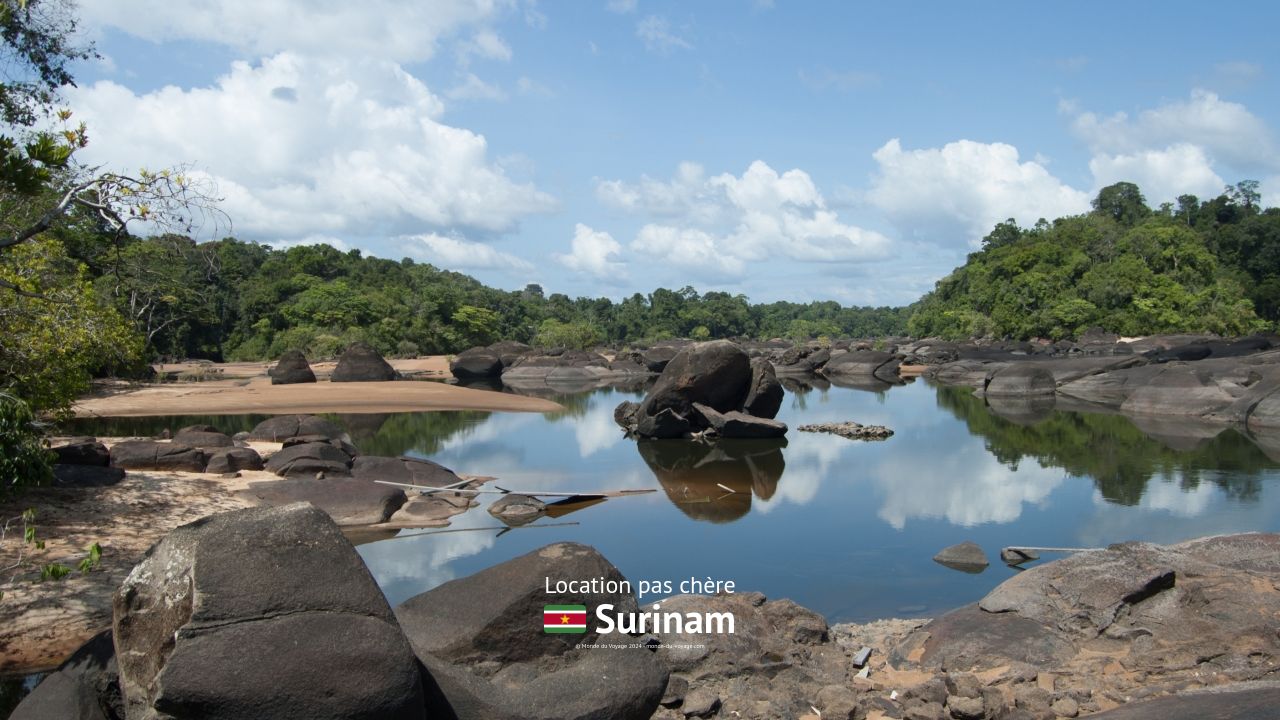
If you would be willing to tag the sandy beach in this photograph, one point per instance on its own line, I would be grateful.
(244, 388)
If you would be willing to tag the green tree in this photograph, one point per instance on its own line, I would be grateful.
(1122, 202)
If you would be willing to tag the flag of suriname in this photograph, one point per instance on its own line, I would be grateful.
(564, 618)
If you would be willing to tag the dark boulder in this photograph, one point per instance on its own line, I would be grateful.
(82, 451)
(508, 351)
(152, 455)
(666, 425)
(292, 369)
(737, 425)
(1184, 353)
(625, 414)
(229, 460)
(864, 362)
(341, 444)
(85, 687)
(283, 427)
(361, 363)
(478, 362)
(965, 557)
(1180, 390)
(656, 358)
(345, 500)
(488, 660)
(81, 476)
(266, 613)
(716, 374)
(764, 399)
(309, 458)
(1021, 380)
(410, 471)
(198, 436)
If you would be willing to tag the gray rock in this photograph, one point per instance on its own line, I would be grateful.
(966, 708)
(411, 471)
(972, 639)
(345, 500)
(85, 687)
(764, 399)
(152, 455)
(361, 363)
(737, 425)
(283, 427)
(864, 362)
(1248, 701)
(1182, 391)
(85, 476)
(202, 439)
(716, 374)
(307, 459)
(1021, 380)
(677, 688)
(201, 622)
(666, 424)
(291, 369)
(966, 557)
(488, 660)
(656, 358)
(700, 703)
(517, 509)
(625, 415)
(230, 460)
(478, 362)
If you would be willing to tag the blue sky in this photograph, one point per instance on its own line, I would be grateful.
(785, 150)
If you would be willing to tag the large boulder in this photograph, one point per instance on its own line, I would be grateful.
(361, 363)
(738, 425)
(283, 427)
(82, 476)
(85, 687)
(764, 398)
(508, 351)
(476, 363)
(234, 459)
(202, 436)
(490, 660)
(291, 369)
(864, 363)
(410, 471)
(82, 451)
(263, 613)
(347, 501)
(1021, 380)
(717, 374)
(1181, 390)
(656, 358)
(153, 455)
(307, 459)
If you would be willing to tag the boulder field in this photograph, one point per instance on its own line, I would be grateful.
(269, 613)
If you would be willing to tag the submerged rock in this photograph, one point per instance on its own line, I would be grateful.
(965, 557)
(850, 430)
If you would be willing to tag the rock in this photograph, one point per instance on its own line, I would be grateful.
(231, 460)
(716, 374)
(737, 425)
(152, 455)
(488, 661)
(1020, 380)
(851, 430)
(966, 708)
(1065, 707)
(283, 427)
(933, 690)
(1110, 388)
(1018, 556)
(625, 415)
(509, 351)
(361, 363)
(83, 476)
(410, 471)
(1184, 353)
(85, 687)
(345, 500)
(764, 398)
(971, 639)
(1246, 701)
(665, 425)
(966, 557)
(927, 711)
(656, 358)
(1181, 391)
(82, 451)
(198, 437)
(339, 443)
(700, 703)
(478, 362)
(202, 622)
(291, 369)
(875, 363)
(677, 688)
(309, 458)
(517, 509)
(1265, 414)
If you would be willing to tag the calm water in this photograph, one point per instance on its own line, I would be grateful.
(846, 528)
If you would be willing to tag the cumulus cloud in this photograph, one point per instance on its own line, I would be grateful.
(721, 223)
(593, 253)
(1162, 174)
(300, 145)
(452, 252)
(1226, 131)
(656, 32)
(473, 88)
(387, 29)
(965, 186)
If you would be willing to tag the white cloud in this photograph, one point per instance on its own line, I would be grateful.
(656, 32)
(302, 145)
(1162, 175)
(456, 253)
(592, 253)
(966, 187)
(719, 224)
(1226, 131)
(384, 29)
(473, 88)
(485, 44)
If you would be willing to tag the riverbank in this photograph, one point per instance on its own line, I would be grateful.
(244, 388)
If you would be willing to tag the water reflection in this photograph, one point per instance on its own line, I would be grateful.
(715, 482)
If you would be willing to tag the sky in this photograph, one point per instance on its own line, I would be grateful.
(783, 150)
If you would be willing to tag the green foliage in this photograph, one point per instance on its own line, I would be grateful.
(23, 459)
(573, 335)
(55, 329)
(1120, 267)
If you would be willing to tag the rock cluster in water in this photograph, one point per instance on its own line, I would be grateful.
(851, 430)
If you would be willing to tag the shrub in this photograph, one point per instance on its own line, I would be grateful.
(24, 461)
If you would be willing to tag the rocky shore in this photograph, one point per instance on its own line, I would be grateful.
(1132, 631)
